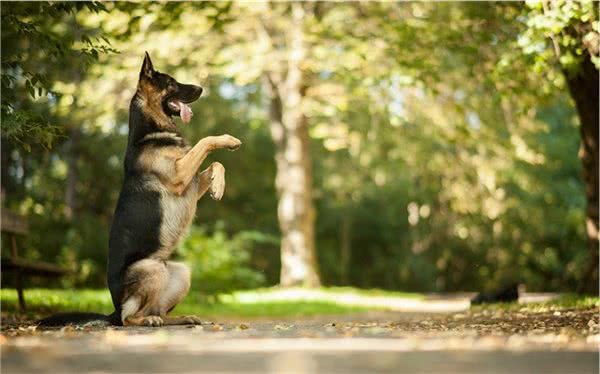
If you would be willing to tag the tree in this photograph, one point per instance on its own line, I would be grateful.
(289, 129)
(557, 39)
(256, 49)
(438, 158)
(34, 53)
(298, 55)
(570, 33)
(29, 46)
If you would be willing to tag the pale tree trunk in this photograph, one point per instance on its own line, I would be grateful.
(583, 87)
(289, 130)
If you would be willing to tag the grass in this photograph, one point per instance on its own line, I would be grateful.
(568, 301)
(267, 302)
(578, 302)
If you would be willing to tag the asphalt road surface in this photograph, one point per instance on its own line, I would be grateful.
(383, 343)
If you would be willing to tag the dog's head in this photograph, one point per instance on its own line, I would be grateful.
(163, 97)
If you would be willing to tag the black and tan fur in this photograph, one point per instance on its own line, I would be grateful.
(156, 206)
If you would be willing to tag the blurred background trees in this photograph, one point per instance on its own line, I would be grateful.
(413, 146)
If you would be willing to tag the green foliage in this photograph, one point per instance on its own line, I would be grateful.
(221, 263)
(26, 128)
(444, 145)
(34, 50)
(562, 31)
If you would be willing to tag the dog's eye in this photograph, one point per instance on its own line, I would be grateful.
(172, 86)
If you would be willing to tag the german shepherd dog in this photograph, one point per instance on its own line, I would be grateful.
(156, 205)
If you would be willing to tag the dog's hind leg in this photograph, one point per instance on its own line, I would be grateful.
(153, 289)
(130, 307)
(212, 180)
(144, 282)
(176, 289)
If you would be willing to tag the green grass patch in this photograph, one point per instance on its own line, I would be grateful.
(576, 302)
(569, 301)
(267, 302)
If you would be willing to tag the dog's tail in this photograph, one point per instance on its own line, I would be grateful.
(80, 318)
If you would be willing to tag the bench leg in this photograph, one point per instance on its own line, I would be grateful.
(18, 277)
(19, 287)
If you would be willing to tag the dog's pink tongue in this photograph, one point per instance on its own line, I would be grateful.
(185, 112)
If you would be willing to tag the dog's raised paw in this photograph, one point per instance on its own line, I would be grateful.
(231, 143)
(235, 146)
(217, 184)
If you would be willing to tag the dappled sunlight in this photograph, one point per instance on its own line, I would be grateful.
(445, 149)
(367, 160)
(407, 303)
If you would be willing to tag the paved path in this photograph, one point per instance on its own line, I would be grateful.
(466, 342)
(359, 355)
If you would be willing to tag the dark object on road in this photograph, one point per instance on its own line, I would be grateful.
(502, 295)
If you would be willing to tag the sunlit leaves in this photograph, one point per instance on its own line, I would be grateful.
(441, 134)
(30, 38)
(28, 129)
(563, 30)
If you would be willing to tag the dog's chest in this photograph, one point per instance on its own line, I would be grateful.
(177, 215)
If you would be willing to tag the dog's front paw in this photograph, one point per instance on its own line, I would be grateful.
(230, 142)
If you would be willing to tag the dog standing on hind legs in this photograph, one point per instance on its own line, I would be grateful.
(156, 205)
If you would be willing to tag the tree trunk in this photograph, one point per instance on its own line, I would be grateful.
(583, 87)
(345, 250)
(289, 130)
(72, 174)
(74, 136)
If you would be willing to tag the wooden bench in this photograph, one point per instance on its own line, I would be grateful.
(14, 225)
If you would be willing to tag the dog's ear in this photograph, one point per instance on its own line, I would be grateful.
(147, 67)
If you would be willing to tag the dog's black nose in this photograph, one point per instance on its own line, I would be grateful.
(198, 91)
